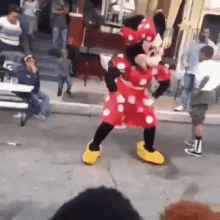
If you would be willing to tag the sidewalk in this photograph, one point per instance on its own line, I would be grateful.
(88, 100)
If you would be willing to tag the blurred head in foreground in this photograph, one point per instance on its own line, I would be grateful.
(100, 203)
(189, 210)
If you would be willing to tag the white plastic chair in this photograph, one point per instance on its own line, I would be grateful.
(11, 60)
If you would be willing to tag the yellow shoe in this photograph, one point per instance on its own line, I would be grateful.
(155, 157)
(91, 157)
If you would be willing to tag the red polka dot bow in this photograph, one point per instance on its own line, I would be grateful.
(146, 31)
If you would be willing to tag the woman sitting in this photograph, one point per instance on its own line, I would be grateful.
(28, 74)
(10, 30)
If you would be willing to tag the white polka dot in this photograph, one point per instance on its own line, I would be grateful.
(120, 126)
(130, 37)
(145, 19)
(131, 99)
(149, 119)
(106, 112)
(143, 82)
(121, 66)
(120, 99)
(148, 102)
(120, 108)
(122, 71)
(107, 98)
(140, 26)
(121, 55)
(154, 72)
(140, 109)
(147, 26)
(149, 38)
(143, 35)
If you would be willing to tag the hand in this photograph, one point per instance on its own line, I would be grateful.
(186, 66)
(196, 91)
(34, 69)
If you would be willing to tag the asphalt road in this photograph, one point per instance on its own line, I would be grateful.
(46, 169)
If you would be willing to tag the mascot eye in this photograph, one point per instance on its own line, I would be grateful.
(152, 53)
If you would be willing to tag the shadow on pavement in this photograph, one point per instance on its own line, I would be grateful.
(85, 98)
(25, 210)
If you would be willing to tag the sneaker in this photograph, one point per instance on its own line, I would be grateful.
(68, 92)
(40, 117)
(193, 152)
(59, 93)
(190, 143)
(179, 108)
(17, 115)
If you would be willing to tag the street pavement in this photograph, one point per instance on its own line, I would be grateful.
(46, 169)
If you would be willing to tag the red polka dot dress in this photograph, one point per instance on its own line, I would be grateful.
(131, 105)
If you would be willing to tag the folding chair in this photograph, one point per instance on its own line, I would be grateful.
(9, 60)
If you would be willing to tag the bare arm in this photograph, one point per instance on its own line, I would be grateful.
(204, 82)
(65, 11)
(185, 59)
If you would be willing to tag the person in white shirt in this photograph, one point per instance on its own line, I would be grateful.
(207, 79)
(28, 17)
(190, 59)
(10, 30)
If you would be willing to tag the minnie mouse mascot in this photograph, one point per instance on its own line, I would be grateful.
(128, 74)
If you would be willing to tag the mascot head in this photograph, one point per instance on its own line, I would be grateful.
(144, 40)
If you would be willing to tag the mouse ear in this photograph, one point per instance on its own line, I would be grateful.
(160, 23)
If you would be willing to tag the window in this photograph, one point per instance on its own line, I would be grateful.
(116, 11)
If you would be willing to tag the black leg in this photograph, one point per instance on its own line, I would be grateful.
(149, 135)
(102, 132)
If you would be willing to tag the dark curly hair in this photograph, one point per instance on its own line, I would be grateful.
(100, 203)
(14, 8)
(208, 51)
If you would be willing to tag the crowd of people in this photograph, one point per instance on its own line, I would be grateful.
(17, 30)
(190, 60)
(200, 80)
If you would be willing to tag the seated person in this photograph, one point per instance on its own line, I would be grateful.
(27, 74)
(10, 30)
(98, 203)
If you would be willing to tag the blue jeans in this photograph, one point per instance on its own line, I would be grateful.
(42, 102)
(62, 80)
(59, 37)
(189, 83)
